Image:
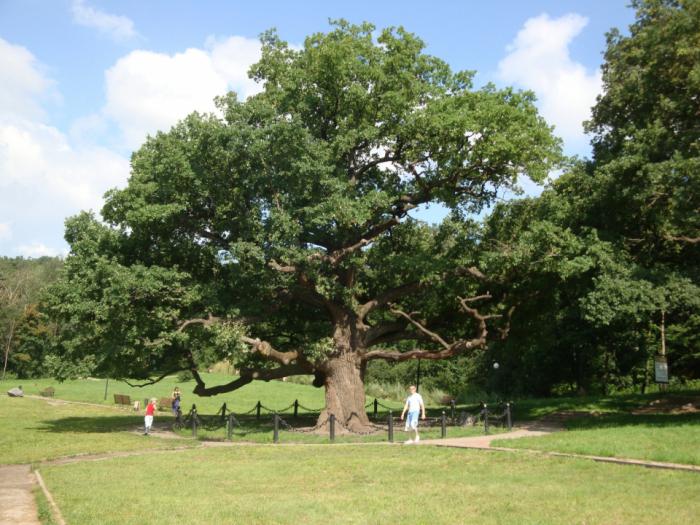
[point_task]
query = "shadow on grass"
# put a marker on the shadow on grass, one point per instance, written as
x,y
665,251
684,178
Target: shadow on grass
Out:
x,y
530,409
94,424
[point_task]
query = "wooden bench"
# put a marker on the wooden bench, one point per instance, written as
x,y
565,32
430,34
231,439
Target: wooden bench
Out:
x,y
165,403
48,392
121,399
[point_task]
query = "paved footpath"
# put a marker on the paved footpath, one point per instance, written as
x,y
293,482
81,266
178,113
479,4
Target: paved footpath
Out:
x,y
485,441
17,506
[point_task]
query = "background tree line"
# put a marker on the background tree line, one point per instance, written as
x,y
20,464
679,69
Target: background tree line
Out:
x,y
26,332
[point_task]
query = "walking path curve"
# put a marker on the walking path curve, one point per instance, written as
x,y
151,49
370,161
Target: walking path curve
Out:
x,y
484,443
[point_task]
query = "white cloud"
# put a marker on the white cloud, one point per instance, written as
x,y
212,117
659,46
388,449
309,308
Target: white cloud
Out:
x,y
5,231
36,249
148,91
47,174
23,85
539,59
118,27
44,175
39,157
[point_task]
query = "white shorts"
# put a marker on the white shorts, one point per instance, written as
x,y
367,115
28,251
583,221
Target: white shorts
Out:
x,y
149,421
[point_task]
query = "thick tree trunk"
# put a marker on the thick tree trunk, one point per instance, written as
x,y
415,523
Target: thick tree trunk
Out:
x,y
7,347
345,394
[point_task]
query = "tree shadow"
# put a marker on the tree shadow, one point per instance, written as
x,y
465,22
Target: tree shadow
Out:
x,y
625,419
531,409
93,424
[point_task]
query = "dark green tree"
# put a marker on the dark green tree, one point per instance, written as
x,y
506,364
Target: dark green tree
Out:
x,y
278,234
609,254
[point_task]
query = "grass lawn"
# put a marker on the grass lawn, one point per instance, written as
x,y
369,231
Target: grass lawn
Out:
x,y
367,484
274,394
33,430
659,437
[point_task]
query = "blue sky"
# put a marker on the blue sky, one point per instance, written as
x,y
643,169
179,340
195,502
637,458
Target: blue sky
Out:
x,y
84,81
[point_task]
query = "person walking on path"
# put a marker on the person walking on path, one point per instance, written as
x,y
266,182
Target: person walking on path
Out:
x,y
148,420
415,406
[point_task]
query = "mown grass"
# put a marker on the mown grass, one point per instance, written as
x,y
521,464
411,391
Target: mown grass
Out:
x,y
274,394
367,484
33,430
672,438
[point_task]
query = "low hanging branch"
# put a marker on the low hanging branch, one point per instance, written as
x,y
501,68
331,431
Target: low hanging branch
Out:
x,y
249,375
448,349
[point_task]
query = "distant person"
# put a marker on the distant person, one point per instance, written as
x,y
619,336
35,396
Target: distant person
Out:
x,y
415,406
16,392
148,420
175,397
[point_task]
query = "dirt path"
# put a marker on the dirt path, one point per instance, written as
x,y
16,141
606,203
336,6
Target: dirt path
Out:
x,y
17,505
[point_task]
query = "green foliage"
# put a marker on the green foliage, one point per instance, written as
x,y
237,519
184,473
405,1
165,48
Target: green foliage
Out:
x,y
292,206
25,333
610,249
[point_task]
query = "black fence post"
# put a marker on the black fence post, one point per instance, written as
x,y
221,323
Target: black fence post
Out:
x,y
276,431
229,427
223,411
391,427
257,410
194,422
509,417
486,419
296,408
332,427
376,406
452,410
443,425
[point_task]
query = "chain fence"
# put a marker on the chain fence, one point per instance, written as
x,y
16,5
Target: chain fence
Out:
x,y
459,416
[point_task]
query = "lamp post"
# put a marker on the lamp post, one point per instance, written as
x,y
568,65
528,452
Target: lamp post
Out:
x,y
495,370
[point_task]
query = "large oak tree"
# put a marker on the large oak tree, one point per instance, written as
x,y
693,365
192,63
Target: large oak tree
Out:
x,y
277,233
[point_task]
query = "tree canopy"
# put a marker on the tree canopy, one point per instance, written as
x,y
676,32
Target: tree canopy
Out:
x,y
277,233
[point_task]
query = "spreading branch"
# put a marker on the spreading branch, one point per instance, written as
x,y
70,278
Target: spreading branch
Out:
x,y
420,327
266,350
448,349
281,267
152,381
683,238
409,288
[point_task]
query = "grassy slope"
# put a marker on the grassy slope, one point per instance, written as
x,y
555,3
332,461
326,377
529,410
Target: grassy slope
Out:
x,y
367,484
275,394
32,430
